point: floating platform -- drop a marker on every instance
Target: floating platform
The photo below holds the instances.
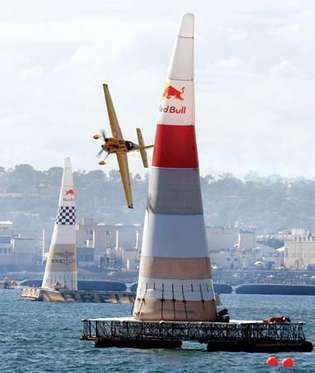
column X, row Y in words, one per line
column 250, row 336
column 276, row 289
column 91, row 285
column 82, row 296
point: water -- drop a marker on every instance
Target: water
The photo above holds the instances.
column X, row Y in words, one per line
column 45, row 337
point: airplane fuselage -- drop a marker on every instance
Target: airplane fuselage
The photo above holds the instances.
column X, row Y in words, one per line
column 113, row 145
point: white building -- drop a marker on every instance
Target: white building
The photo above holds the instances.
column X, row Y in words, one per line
column 100, row 244
column 231, row 247
column 299, row 249
column 16, row 250
column 25, row 251
column 221, row 238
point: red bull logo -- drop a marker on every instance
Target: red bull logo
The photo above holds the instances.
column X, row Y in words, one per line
column 171, row 92
column 69, row 194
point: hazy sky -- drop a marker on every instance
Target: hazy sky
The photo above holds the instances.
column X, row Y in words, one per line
column 255, row 81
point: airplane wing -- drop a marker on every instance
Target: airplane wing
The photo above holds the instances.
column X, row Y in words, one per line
column 125, row 178
column 113, row 121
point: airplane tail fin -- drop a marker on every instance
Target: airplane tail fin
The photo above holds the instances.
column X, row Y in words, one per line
column 142, row 148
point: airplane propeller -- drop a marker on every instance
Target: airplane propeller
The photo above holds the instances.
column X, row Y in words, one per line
column 100, row 153
column 103, row 133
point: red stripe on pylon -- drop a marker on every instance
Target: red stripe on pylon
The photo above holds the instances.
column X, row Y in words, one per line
column 175, row 147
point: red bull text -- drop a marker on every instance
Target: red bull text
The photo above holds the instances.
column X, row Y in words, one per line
column 173, row 109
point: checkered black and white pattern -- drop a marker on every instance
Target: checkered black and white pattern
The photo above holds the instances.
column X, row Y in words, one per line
column 66, row 215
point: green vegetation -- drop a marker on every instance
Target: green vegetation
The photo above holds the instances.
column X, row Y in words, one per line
column 29, row 198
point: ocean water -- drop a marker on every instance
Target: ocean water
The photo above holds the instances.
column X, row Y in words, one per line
column 45, row 337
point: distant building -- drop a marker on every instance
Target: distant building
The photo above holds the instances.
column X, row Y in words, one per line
column 299, row 249
column 85, row 256
column 108, row 245
column 131, row 259
column 15, row 251
column 6, row 227
column 234, row 248
column 5, row 250
column 246, row 239
column 25, row 251
column 221, row 238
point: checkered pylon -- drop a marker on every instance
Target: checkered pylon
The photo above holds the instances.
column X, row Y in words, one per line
column 66, row 215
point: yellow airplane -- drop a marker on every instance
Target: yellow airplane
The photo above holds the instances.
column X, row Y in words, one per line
column 117, row 145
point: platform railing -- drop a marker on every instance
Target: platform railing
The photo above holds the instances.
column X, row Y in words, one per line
column 199, row 331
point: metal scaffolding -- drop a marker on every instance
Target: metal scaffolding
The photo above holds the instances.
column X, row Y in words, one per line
column 202, row 332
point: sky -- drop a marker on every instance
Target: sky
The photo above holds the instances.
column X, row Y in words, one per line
column 255, row 81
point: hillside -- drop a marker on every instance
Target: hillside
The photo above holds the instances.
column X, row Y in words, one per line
column 29, row 197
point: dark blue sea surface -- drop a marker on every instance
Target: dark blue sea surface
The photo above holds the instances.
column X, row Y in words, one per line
column 45, row 337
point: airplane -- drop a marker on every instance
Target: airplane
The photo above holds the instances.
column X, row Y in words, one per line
column 119, row 146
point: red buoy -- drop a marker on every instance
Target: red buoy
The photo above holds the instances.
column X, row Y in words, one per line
column 287, row 362
column 272, row 361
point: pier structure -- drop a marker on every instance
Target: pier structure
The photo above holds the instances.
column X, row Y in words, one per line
column 251, row 336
